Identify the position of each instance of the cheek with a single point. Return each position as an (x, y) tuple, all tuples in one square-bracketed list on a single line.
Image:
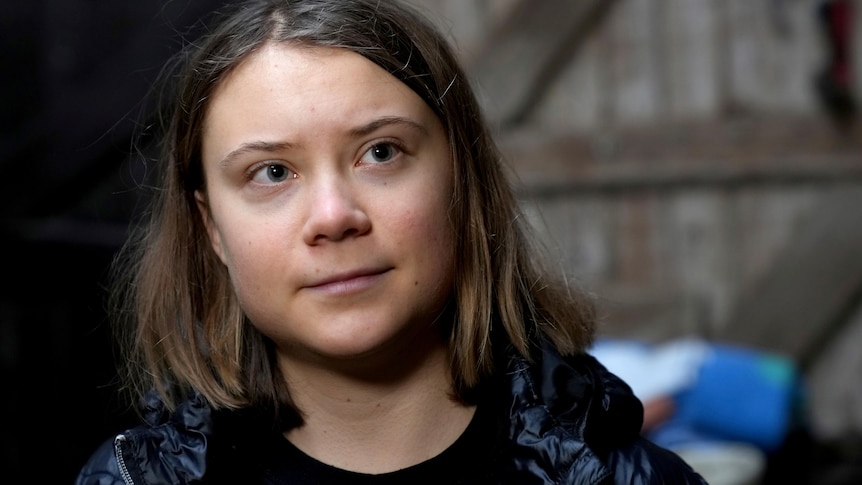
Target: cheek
[(431, 232), (251, 258)]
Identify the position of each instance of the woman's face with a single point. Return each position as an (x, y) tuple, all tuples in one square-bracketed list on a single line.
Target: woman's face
[(328, 184)]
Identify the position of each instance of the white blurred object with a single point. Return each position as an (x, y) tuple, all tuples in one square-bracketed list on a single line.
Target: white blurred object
[(653, 371), (725, 463)]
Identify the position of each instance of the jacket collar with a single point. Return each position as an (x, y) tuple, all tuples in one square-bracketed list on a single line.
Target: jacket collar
[(563, 413), (566, 412)]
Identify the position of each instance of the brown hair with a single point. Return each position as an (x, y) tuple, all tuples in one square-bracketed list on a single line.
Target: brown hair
[(186, 330)]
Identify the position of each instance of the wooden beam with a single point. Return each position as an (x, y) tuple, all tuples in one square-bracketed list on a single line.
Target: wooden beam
[(528, 50), (812, 287), (722, 155)]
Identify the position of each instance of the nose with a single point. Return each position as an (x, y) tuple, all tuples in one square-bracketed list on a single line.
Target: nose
[(334, 213)]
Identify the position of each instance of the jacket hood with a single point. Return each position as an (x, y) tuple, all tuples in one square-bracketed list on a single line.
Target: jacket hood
[(568, 410), (580, 389)]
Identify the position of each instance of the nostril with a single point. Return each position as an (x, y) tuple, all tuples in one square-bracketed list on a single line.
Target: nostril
[(350, 232), (336, 219)]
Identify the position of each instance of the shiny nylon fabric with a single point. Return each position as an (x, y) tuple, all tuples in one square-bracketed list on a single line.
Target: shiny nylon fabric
[(173, 452), (574, 422), (542, 449), (169, 449)]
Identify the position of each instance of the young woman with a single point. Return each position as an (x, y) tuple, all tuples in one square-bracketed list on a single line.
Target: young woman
[(336, 285)]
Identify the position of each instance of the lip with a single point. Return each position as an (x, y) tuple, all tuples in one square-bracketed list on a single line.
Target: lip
[(348, 282)]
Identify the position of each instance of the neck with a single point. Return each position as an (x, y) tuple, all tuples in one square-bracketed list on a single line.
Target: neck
[(380, 418)]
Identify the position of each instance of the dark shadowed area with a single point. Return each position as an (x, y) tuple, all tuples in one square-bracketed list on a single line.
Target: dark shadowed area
[(75, 80)]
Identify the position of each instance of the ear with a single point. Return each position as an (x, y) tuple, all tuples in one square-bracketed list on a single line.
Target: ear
[(212, 230)]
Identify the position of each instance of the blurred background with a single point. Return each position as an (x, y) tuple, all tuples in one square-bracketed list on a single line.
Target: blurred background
[(696, 164)]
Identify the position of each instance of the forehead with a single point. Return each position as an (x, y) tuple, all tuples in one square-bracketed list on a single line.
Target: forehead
[(290, 70), (282, 85)]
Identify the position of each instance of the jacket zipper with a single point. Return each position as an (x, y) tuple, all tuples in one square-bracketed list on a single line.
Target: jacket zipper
[(121, 462)]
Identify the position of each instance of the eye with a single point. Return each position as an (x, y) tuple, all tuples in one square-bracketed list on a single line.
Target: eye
[(382, 152), (272, 173)]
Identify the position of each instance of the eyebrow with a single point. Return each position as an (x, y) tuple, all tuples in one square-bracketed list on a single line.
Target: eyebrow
[(357, 132), (387, 121), (255, 146)]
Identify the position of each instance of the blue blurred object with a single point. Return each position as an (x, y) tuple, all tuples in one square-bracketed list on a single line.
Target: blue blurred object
[(722, 393), (741, 395)]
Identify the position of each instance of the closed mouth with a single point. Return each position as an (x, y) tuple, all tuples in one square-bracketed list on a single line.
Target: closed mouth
[(341, 279)]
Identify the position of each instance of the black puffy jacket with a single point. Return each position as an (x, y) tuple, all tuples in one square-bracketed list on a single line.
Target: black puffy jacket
[(570, 422)]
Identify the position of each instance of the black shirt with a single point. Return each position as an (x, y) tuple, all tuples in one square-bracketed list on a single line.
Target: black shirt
[(469, 460)]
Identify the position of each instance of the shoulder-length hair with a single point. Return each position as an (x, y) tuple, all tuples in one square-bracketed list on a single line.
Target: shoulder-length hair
[(185, 330)]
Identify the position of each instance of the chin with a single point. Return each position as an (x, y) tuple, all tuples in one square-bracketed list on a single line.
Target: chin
[(373, 344)]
